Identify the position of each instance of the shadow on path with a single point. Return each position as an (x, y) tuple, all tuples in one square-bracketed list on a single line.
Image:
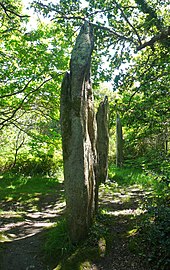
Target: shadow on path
[(22, 229), (109, 247)]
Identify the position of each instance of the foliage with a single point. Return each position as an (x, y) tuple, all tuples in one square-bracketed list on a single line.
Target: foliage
[(30, 92), (30, 155), (154, 236), (14, 187), (43, 164), (144, 108), (57, 241), (131, 50), (11, 17), (58, 247), (121, 27), (152, 230)]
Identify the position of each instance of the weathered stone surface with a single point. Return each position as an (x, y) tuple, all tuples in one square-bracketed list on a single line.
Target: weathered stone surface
[(102, 145), (78, 137), (119, 142), (102, 140)]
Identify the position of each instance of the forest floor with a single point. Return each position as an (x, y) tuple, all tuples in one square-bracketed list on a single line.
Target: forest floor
[(25, 221)]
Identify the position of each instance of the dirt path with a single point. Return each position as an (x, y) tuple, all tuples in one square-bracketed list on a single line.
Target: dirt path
[(124, 209), (25, 234)]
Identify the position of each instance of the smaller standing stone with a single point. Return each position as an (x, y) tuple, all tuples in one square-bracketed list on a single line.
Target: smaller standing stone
[(119, 142), (102, 145)]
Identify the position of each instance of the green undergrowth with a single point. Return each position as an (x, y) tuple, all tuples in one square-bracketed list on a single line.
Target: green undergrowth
[(151, 239), (147, 233), (25, 189), (158, 183), (62, 254)]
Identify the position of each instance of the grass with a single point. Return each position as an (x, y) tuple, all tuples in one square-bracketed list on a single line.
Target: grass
[(26, 189), (149, 228), (145, 179), (20, 194), (150, 237), (78, 257), (129, 176), (146, 232)]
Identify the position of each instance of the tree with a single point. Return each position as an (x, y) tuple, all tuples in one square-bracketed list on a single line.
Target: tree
[(120, 26), (11, 17), (133, 37), (144, 91), (32, 66)]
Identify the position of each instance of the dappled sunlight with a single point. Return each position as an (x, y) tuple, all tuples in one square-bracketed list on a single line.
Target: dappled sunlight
[(3, 238), (51, 211), (28, 206), (11, 214), (123, 202), (126, 212), (102, 246), (120, 208), (28, 215), (20, 230), (34, 221)]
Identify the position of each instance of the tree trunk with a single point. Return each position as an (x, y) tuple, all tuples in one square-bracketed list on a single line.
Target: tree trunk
[(79, 137), (119, 142), (102, 144), (18, 145)]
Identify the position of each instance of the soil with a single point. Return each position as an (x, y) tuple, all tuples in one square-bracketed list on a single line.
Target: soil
[(25, 234)]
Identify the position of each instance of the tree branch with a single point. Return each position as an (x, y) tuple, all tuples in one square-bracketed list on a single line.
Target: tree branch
[(111, 31), (6, 10), (161, 36), (18, 92), (10, 30), (21, 103), (100, 26), (126, 19), (79, 17)]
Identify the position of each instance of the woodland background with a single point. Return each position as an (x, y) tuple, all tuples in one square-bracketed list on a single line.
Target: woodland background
[(130, 64)]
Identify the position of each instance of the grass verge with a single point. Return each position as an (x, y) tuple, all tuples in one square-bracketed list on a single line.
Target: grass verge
[(151, 239)]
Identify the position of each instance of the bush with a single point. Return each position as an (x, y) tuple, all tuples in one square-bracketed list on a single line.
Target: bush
[(155, 236), (41, 165), (152, 241)]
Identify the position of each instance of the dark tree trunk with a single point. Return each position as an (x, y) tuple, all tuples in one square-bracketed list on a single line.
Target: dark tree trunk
[(79, 137), (18, 144), (119, 143)]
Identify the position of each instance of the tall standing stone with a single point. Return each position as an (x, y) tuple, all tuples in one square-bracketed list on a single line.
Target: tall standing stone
[(79, 137)]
